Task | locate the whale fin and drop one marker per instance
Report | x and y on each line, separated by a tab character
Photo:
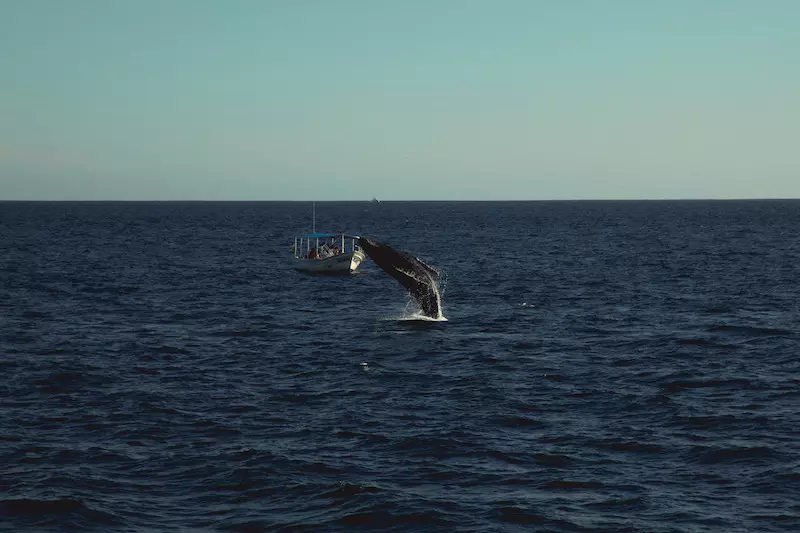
418	278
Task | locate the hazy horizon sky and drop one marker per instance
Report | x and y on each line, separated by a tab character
401	100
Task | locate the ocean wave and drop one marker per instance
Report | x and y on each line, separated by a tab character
750	330
743	454
68	513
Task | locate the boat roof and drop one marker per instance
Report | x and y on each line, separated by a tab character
326	235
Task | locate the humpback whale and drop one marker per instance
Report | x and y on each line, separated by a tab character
418	278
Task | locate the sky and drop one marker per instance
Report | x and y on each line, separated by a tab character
399	99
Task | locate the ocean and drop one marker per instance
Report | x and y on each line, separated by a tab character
605	366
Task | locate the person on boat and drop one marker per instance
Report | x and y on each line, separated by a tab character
312	254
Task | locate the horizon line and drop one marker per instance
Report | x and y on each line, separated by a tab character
765	198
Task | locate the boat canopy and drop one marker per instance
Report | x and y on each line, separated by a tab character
326	235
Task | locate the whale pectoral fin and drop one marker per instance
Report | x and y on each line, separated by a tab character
418	278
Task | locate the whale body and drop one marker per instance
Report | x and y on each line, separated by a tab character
418	278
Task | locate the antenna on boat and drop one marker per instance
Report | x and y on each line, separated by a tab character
313	217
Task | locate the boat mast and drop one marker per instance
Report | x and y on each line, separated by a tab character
313	217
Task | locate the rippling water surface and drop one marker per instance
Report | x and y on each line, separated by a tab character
605	366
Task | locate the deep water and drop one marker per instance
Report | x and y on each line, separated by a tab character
605	367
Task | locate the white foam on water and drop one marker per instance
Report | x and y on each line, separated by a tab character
424	318
413	312
414	317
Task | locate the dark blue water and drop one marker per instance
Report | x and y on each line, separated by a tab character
606	366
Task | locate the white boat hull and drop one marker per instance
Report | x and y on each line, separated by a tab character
345	263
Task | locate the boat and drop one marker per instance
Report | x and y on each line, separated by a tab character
327	253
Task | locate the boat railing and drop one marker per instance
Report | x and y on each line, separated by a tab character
304	244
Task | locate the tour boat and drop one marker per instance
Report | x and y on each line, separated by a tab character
327	253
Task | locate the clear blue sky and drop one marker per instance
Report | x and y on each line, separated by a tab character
400	99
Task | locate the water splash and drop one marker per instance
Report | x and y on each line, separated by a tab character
412	310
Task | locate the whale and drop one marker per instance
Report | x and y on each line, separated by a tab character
418	278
